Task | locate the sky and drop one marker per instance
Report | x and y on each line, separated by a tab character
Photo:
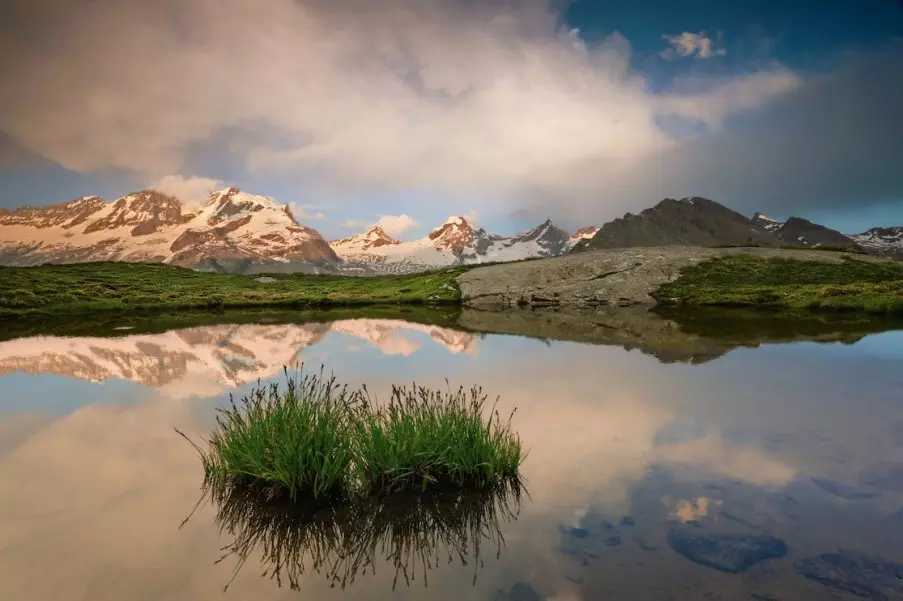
402	112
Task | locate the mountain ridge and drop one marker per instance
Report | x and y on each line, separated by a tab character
234	231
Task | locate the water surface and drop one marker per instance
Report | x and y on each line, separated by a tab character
648	441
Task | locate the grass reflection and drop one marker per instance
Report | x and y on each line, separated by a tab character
412	532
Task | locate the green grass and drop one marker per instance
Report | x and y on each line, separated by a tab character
426	438
314	441
293	442
49	290
738	280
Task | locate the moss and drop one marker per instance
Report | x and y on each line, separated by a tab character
738	280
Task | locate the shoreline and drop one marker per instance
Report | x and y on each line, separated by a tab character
674	276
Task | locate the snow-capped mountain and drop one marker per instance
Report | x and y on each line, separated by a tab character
205	359
455	242
883	241
231	231
239	232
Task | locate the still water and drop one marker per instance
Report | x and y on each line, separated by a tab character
686	467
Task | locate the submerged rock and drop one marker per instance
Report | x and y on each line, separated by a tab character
886	476
869	577
578	532
844	491
521	591
627	521
760	595
733	553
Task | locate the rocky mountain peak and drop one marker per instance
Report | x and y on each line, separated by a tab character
374	237
766	222
691	220
585	232
146	212
455	234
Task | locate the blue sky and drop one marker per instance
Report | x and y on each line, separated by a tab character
515	110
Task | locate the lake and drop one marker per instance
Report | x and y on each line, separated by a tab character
712	457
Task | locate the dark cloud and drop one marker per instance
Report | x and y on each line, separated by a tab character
834	143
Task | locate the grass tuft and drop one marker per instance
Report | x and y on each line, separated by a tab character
292	442
426	438
317	442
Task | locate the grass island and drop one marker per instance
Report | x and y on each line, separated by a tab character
316	441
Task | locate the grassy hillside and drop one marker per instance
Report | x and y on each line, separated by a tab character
87	287
738	280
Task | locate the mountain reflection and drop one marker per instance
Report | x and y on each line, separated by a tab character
230	354
412	533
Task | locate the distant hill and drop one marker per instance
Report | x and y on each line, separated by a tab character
691	221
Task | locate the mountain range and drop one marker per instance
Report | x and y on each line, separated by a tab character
234	231
702	222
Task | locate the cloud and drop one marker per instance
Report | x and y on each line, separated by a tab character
305	212
189	189
396	225
393	225
830	144
691	44
487	102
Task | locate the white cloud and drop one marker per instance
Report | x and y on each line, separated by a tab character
353	223
396	225
471	216
476	99
190	189
306	212
687	44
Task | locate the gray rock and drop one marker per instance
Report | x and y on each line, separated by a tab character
733	553
844	491
886	476
623	276
862	575
266	280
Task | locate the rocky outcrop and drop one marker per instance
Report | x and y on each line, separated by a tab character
619	277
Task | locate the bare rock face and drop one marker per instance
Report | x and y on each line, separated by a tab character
616	277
